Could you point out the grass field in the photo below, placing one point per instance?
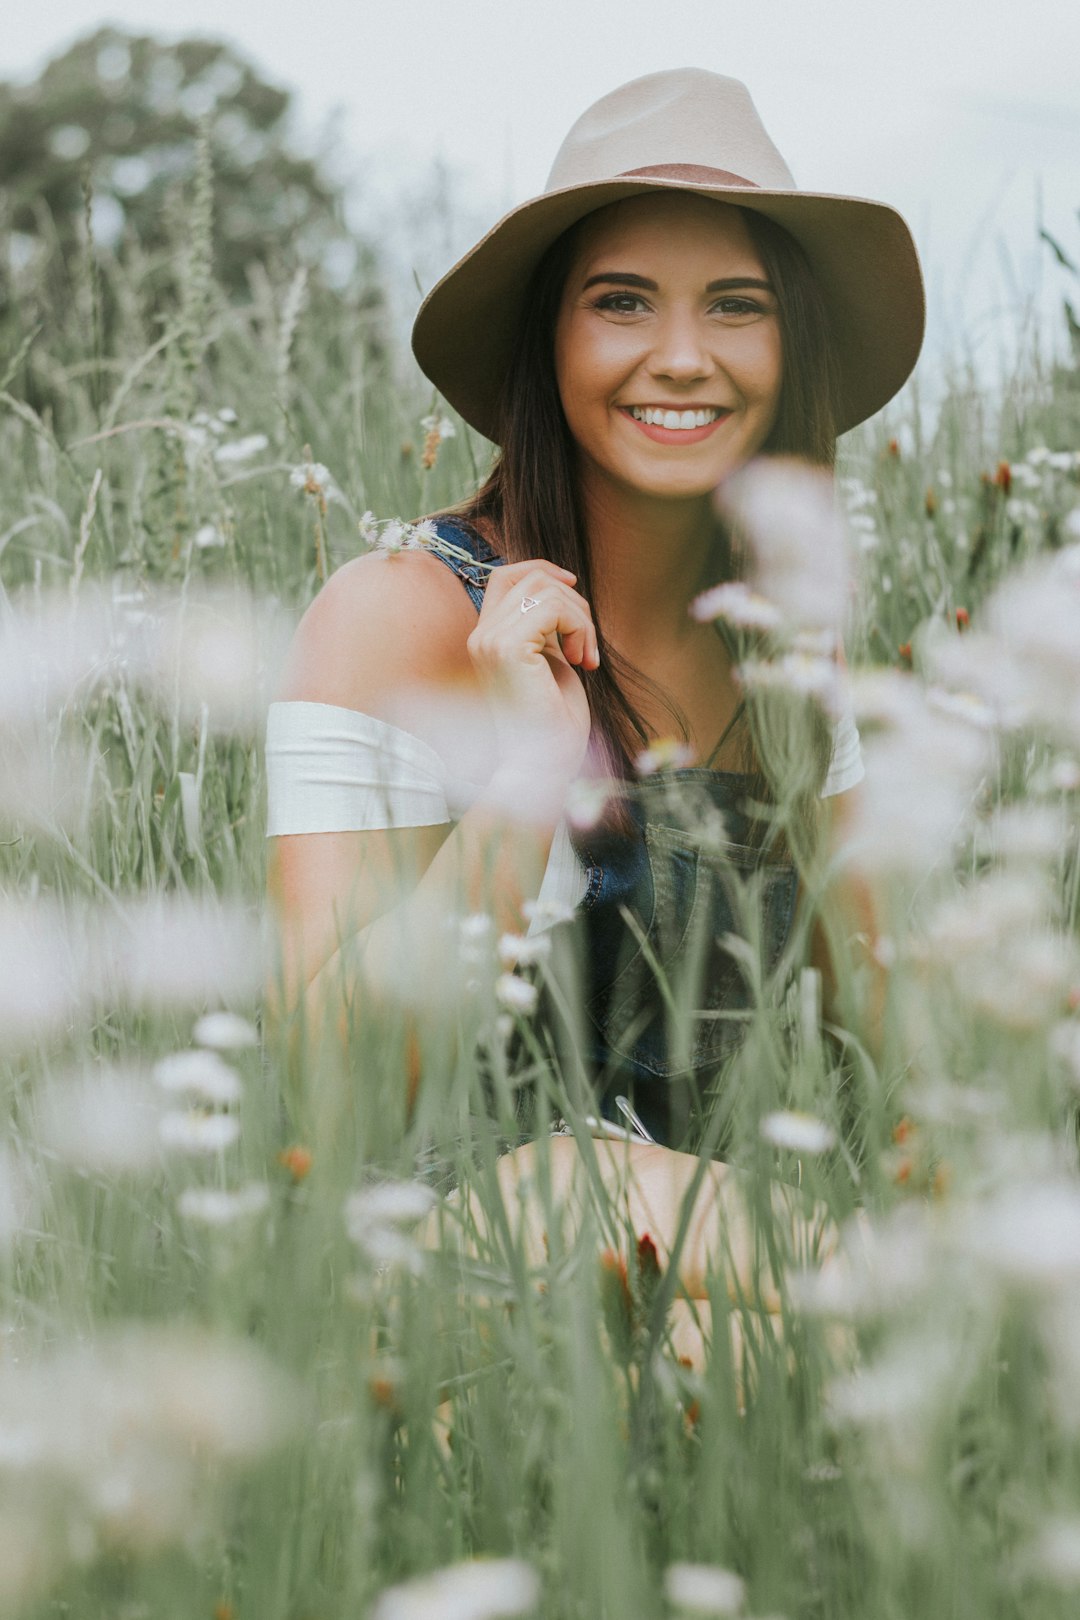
(232, 1380)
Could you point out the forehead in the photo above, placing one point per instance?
(664, 224)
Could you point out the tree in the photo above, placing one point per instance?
(121, 114)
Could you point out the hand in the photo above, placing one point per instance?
(525, 663)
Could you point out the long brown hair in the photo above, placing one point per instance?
(530, 500)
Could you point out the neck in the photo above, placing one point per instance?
(648, 557)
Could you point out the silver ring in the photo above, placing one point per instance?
(528, 603)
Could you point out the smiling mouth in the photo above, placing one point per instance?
(675, 421)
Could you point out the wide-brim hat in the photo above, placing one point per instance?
(683, 130)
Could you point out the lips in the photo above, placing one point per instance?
(661, 434)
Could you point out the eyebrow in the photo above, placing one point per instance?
(626, 278)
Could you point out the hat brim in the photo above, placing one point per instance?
(861, 253)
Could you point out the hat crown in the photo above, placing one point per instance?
(681, 116)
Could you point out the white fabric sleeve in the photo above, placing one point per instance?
(330, 769)
(846, 766)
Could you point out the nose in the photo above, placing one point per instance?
(681, 352)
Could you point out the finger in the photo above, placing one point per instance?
(511, 576)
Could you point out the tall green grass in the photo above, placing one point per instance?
(283, 1406)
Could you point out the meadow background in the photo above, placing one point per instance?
(232, 1382)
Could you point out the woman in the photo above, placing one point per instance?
(670, 308)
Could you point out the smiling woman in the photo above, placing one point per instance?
(670, 310)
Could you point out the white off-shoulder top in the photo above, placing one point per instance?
(337, 770)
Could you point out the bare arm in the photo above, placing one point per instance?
(372, 900)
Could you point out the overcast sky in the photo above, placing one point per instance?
(964, 114)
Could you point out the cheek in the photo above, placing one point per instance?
(587, 365)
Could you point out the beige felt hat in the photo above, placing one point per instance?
(683, 130)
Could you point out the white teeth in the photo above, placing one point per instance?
(653, 416)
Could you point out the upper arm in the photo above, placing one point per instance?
(379, 625)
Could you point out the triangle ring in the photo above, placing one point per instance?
(528, 603)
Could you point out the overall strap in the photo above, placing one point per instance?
(473, 575)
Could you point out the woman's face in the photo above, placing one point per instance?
(667, 308)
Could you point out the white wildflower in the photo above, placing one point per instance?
(242, 449)
(963, 705)
(1053, 1555)
(226, 1031)
(737, 604)
(665, 754)
(903, 1384)
(19, 1204)
(208, 535)
(704, 1589)
(586, 802)
(312, 477)
(1027, 1234)
(424, 534)
(521, 950)
(194, 1132)
(797, 1132)
(1064, 775)
(484, 1589)
(1071, 524)
(1038, 456)
(546, 913)
(377, 1217)
(1064, 1043)
(368, 528)
(516, 994)
(387, 1203)
(804, 674)
(216, 1206)
(440, 424)
(227, 415)
(788, 510)
(199, 1074)
(1023, 832)
(881, 1267)
(394, 537)
(1062, 460)
(172, 951)
(101, 1119)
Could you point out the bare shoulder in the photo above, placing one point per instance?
(379, 623)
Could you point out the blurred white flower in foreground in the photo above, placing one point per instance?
(882, 1267)
(218, 649)
(516, 994)
(798, 542)
(253, 444)
(173, 951)
(19, 1204)
(199, 1074)
(487, 1589)
(128, 1431)
(195, 1132)
(101, 1119)
(922, 772)
(45, 780)
(41, 985)
(217, 1206)
(704, 1589)
(226, 1031)
(1027, 1234)
(799, 1133)
(738, 605)
(378, 1216)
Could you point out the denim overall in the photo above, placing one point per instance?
(685, 896)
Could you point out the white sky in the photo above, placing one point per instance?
(964, 114)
